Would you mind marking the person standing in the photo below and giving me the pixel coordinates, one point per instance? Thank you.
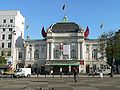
(75, 74)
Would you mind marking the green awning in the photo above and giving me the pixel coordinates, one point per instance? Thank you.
(65, 63)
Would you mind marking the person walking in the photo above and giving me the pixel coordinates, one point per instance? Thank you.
(75, 74)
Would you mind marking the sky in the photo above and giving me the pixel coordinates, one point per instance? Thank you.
(91, 13)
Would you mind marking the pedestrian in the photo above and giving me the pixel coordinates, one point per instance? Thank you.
(75, 74)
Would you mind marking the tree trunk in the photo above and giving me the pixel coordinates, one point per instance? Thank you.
(111, 74)
(112, 67)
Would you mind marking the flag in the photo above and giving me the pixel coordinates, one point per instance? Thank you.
(44, 34)
(101, 26)
(27, 26)
(63, 7)
(86, 33)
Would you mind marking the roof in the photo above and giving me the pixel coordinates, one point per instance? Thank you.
(63, 27)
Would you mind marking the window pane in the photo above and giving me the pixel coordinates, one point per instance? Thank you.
(9, 45)
(10, 36)
(3, 29)
(2, 45)
(3, 37)
(10, 29)
(36, 54)
(4, 20)
(11, 20)
(20, 55)
(9, 53)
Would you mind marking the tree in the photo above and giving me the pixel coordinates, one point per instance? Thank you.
(117, 50)
(3, 61)
(110, 47)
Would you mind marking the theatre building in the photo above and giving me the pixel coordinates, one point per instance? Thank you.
(64, 47)
(67, 47)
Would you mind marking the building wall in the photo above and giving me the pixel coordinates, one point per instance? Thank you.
(16, 27)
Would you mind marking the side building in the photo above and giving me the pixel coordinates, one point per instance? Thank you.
(11, 34)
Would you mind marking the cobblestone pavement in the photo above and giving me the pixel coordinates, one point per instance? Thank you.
(57, 83)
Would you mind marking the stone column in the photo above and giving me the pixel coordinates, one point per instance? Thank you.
(82, 51)
(48, 45)
(79, 68)
(32, 52)
(79, 51)
(27, 48)
(90, 51)
(52, 53)
(69, 68)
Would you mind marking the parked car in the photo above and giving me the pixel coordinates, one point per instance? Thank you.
(105, 71)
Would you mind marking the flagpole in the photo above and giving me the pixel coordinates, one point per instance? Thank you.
(64, 11)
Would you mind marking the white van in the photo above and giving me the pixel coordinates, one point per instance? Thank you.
(23, 72)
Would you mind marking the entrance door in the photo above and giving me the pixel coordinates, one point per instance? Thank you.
(56, 69)
(65, 69)
(42, 71)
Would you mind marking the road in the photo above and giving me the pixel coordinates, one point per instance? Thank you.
(57, 83)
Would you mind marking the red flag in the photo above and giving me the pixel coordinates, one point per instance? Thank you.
(44, 34)
(86, 33)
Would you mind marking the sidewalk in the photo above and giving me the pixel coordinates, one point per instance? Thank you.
(86, 76)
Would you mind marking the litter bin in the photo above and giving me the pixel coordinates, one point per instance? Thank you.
(101, 74)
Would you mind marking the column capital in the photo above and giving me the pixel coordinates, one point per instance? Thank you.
(81, 41)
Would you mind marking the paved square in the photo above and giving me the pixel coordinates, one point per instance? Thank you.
(57, 83)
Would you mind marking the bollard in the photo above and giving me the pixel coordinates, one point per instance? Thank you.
(53, 75)
(101, 75)
(69, 74)
(45, 75)
(60, 74)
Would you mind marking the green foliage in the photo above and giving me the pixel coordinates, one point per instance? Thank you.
(3, 61)
(110, 46)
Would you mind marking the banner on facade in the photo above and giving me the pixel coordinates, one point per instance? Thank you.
(66, 49)
(82, 62)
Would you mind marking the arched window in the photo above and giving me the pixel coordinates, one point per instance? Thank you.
(94, 53)
(36, 54)
(56, 54)
(73, 54)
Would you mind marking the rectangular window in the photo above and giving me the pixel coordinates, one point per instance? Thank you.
(10, 36)
(10, 29)
(2, 53)
(4, 20)
(101, 66)
(2, 45)
(11, 20)
(3, 36)
(3, 29)
(9, 45)
(9, 53)
(20, 55)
